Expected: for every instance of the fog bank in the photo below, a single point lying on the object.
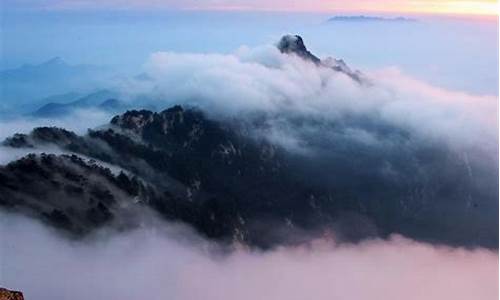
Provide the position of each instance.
(263, 80)
(170, 262)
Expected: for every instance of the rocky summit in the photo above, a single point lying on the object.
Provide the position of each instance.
(294, 44)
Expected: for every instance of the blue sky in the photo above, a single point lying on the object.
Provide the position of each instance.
(450, 52)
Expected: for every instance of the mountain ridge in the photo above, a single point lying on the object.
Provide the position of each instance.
(230, 186)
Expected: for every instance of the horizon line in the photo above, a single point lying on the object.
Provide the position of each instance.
(339, 12)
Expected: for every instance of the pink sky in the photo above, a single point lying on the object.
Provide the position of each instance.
(488, 7)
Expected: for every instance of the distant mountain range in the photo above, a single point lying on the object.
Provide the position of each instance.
(24, 86)
(103, 99)
(362, 18)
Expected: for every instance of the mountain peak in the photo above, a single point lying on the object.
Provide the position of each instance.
(295, 44)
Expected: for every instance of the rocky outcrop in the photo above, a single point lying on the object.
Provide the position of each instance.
(6, 294)
(294, 44)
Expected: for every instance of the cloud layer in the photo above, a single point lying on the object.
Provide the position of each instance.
(79, 121)
(393, 143)
(166, 261)
(172, 263)
(262, 79)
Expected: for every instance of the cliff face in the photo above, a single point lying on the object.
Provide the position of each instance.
(6, 294)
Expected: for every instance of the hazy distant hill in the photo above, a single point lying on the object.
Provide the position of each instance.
(27, 83)
(102, 99)
(362, 18)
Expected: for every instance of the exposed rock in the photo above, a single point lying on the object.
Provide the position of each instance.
(293, 44)
(6, 294)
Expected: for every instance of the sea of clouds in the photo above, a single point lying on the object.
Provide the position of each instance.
(171, 262)
(263, 80)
